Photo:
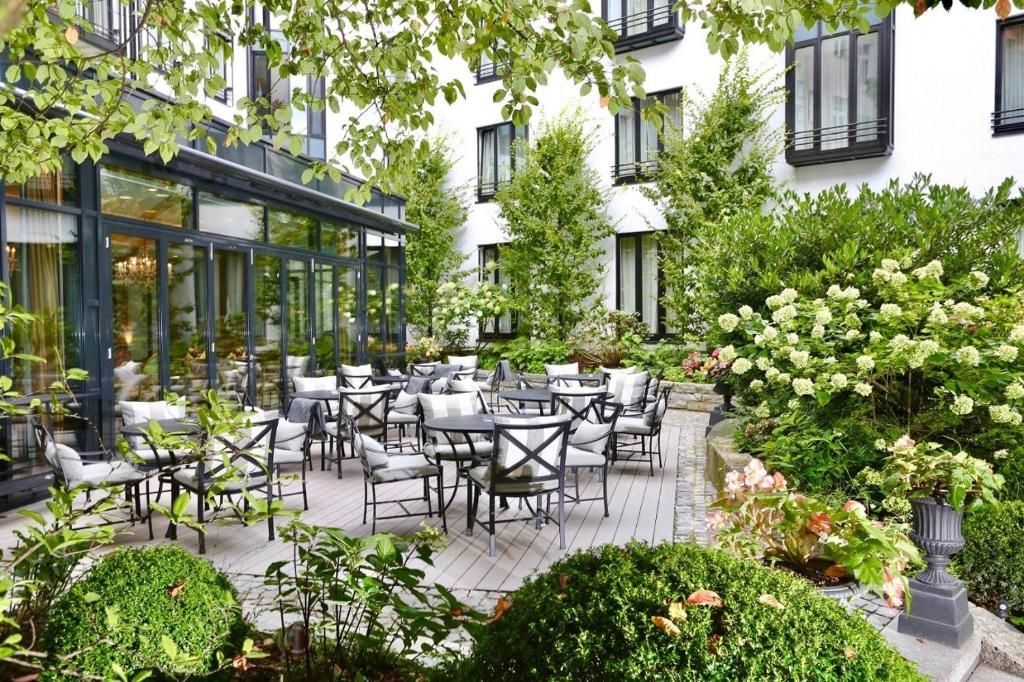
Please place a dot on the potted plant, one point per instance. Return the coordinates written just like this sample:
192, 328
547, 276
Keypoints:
938, 483
837, 547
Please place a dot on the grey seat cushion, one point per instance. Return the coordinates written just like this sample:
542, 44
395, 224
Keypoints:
633, 425
404, 467
481, 475
577, 457
107, 472
188, 478
395, 417
591, 437
288, 456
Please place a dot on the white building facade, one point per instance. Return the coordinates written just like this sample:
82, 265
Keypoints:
941, 94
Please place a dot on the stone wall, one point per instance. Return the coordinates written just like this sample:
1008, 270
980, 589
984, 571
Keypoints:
692, 397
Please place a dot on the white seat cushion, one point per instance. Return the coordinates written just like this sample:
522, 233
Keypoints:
463, 361
143, 412
289, 435
459, 451
187, 477
557, 370
481, 475
376, 455
288, 456
628, 389
404, 467
633, 425
64, 460
328, 383
395, 417
577, 457
93, 475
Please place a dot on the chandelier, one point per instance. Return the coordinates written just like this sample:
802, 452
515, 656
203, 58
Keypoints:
136, 270
12, 258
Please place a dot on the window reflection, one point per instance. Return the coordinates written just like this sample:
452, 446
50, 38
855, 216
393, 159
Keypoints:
229, 323
348, 318
136, 342
42, 256
292, 229
138, 196
186, 300
340, 240
266, 333
323, 322
60, 188
230, 218
297, 365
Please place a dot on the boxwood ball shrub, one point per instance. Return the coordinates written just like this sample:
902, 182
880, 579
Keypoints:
676, 612
121, 610
991, 564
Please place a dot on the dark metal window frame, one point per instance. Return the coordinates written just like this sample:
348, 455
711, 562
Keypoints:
883, 144
671, 30
226, 96
638, 171
486, 194
999, 127
488, 72
316, 119
482, 333
661, 330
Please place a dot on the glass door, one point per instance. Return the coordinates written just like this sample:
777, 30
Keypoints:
188, 327
231, 323
267, 333
135, 292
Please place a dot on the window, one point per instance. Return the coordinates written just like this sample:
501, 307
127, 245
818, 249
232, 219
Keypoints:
60, 188
142, 197
637, 142
496, 327
641, 23
230, 218
489, 70
638, 283
497, 156
223, 69
839, 94
316, 119
1009, 112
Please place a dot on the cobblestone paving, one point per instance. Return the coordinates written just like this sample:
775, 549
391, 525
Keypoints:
693, 490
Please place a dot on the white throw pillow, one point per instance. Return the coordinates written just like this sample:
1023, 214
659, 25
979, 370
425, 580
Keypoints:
65, 459
357, 370
328, 383
559, 370
463, 361
591, 437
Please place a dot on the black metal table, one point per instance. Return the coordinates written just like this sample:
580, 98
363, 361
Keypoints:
527, 395
390, 379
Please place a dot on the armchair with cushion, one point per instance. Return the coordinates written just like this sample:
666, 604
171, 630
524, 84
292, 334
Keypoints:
638, 436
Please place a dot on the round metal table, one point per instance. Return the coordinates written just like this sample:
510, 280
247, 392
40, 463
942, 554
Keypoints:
390, 379
527, 395
472, 423
173, 426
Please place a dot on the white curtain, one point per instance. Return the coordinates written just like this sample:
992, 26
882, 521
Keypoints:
627, 274
835, 90
1013, 74
803, 98
867, 86
649, 275
487, 179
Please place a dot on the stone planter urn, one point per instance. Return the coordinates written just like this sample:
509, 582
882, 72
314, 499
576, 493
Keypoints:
938, 609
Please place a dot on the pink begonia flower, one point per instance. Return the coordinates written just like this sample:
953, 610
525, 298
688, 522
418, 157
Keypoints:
893, 590
716, 519
854, 507
734, 481
715, 352
766, 483
779, 481
820, 524
754, 473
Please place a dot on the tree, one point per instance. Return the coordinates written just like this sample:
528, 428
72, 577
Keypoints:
432, 256
377, 56
723, 165
554, 213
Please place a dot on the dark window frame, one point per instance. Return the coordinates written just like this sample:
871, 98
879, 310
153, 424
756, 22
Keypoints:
882, 145
669, 31
661, 328
489, 72
316, 119
638, 171
226, 96
482, 261
486, 194
999, 127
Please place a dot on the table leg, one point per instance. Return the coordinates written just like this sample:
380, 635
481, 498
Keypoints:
172, 527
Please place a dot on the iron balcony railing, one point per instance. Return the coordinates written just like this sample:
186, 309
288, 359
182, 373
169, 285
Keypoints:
490, 72
486, 189
107, 18
1008, 118
646, 21
634, 169
837, 137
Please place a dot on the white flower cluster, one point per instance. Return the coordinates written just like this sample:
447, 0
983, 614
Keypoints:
785, 297
839, 381
937, 315
741, 365
727, 354
823, 316
1004, 414
889, 311
817, 332
932, 269
962, 405
803, 386
1017, 334
1007, 353
980, 279
865, 363
862, 389
838, 293
966, 312
889, 274
799, 358
968, 355
1015, 391
728, 322
746, 312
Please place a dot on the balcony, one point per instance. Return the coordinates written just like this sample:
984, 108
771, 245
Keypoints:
1008, 122
489, 71
860, 140
634, 171
655, 25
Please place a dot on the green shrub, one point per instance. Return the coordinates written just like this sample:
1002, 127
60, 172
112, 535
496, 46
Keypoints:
589, 617
991, 564
133, 598
530, 355
811, 241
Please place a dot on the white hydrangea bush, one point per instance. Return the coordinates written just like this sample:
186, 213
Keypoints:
940, 361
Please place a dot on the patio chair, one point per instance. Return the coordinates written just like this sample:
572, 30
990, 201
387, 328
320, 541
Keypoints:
491, 382
358, 376
456, 386
367, 408
405, 411
71, 472
381, 467
291, 445
464, 451
575, 401
643, 430
324, 383
147, 454
590, 445
422, 369
528, 462
235, 466
464, 361
555, 371
629, 390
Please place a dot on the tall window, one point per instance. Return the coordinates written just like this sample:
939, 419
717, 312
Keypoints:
839, 94
641, 23
223, 69
316, 119
490, 271
497, 155
489, 70
638, 280
1009, 112
637, 142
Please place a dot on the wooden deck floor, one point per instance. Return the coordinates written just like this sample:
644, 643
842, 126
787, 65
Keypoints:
640, 506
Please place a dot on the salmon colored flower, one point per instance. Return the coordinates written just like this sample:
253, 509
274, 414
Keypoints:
820, 524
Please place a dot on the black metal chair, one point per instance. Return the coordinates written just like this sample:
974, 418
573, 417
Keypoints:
638, 436
528, 462
381, 467
574, 401
368, 408
590, 447
234, 467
